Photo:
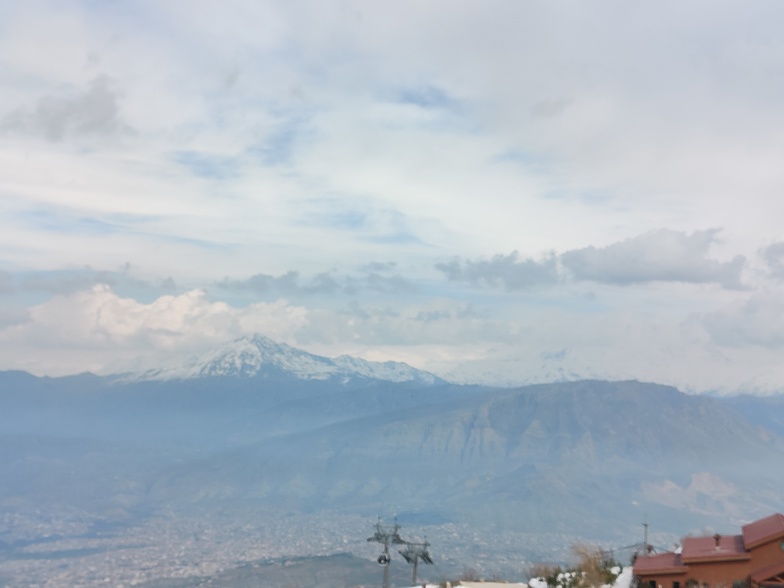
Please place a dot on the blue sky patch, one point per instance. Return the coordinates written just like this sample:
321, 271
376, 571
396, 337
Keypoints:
277, 147
207, 166
59, 221
426, 97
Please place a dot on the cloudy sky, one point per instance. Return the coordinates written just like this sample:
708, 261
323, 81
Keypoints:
494, 191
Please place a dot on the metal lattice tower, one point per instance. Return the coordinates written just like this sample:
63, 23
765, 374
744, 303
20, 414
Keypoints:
389, 535
413, 553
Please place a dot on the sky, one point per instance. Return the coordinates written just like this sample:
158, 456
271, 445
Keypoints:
499, 192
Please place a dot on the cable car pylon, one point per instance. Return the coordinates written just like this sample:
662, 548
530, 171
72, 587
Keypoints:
413, 552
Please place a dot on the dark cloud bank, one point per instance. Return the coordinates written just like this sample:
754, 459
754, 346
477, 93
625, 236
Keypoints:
657, 256
292, 284
93, 112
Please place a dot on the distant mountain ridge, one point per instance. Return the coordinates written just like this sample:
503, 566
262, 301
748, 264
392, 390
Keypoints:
249, 356
262, 426
554, 456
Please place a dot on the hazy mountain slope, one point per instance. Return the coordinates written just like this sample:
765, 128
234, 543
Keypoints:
245, 390
260, 429
766, 411
539, 456
213, 411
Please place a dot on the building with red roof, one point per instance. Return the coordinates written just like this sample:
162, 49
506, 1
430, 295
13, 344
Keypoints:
755, 558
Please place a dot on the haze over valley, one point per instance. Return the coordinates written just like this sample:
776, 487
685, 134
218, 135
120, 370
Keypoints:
257, 452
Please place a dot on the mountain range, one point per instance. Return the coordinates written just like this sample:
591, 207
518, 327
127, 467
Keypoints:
249, 356
267, 426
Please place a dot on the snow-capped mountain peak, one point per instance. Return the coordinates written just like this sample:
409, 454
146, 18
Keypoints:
247, 356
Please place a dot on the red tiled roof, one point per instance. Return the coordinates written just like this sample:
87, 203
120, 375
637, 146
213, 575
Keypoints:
771, 571
763, 530
697, 549
661, 563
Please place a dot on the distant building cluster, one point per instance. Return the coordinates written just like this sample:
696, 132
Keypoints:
753, 559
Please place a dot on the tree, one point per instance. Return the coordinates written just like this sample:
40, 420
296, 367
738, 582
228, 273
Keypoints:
593, 565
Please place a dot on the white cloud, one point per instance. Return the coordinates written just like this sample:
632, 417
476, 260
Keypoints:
93, 112
95, 328
508, 271
321, 136
657, 256
755, 321
731, 349
660, 255
774, 258
44, 43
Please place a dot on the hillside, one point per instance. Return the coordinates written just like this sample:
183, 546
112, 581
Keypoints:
151, 458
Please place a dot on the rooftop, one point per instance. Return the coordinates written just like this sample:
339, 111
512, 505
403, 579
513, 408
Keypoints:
715, 548
718, 547
769, 572
660, 563
763, 530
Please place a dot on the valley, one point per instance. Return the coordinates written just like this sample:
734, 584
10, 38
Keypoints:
267, 462
59, 553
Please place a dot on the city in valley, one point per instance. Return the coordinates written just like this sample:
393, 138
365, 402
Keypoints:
229, 480
70, 550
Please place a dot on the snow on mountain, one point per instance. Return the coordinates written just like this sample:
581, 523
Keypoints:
246, 356
391, 371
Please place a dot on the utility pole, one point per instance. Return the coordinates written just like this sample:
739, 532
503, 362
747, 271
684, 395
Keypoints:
645, 535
